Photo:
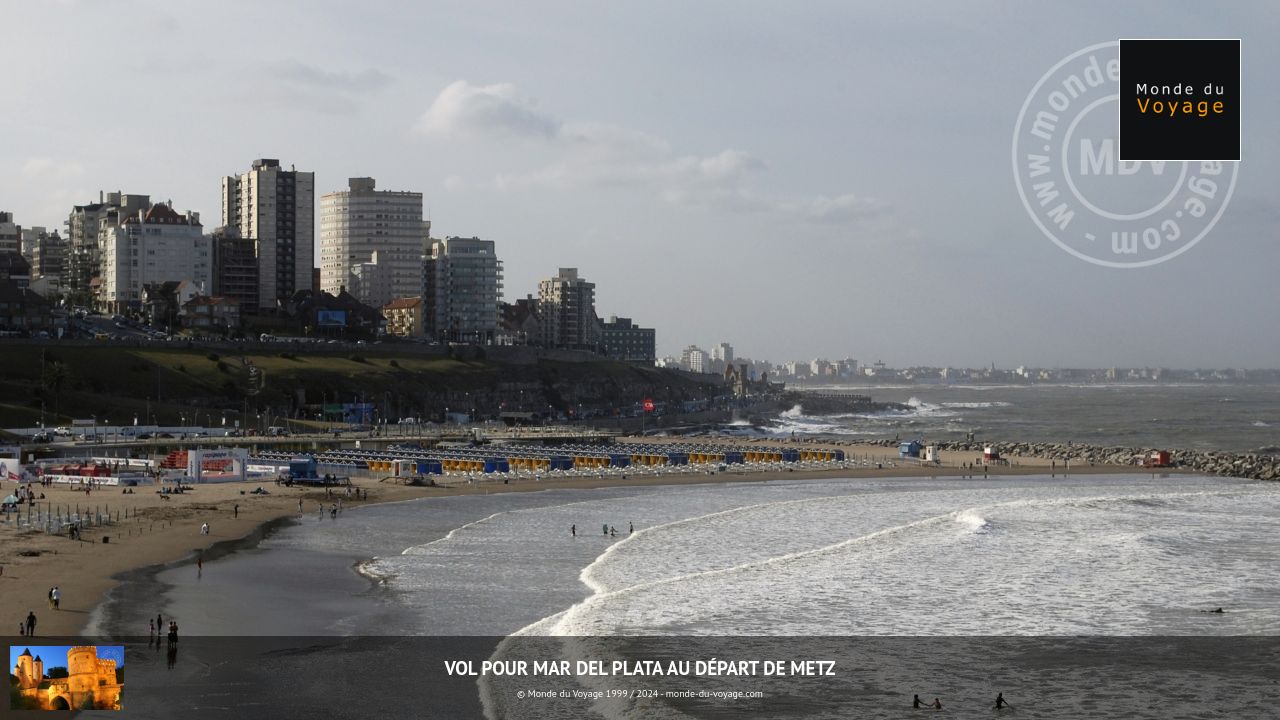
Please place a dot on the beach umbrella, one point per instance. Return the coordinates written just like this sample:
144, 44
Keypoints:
11, 500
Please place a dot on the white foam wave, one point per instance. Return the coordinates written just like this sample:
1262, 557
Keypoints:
974, 521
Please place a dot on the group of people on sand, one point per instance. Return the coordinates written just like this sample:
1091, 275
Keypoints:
919, 704
157, 627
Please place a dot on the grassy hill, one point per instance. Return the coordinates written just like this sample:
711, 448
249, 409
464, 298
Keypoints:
116, 383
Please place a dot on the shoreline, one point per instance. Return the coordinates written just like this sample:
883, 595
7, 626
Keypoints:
88, 571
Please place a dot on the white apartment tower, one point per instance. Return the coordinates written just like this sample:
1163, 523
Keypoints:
153, 246
276, 209
371, 242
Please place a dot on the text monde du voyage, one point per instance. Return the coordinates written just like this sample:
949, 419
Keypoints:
1179, 100
643, 668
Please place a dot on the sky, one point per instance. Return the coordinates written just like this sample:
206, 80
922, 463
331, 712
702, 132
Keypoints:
819, 179
56, 655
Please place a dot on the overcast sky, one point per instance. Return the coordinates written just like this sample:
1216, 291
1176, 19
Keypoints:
799, 179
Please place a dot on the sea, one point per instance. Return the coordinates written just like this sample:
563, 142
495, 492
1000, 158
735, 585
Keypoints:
1122, 558
1226, 417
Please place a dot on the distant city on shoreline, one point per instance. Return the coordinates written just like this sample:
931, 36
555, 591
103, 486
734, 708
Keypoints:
819, 371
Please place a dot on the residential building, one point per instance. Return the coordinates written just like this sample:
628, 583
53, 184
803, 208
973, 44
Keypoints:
151, 247
364, 226
694, 359
15, 269
722, 352
20, 308
519, 323
699, 361
85, 227
275, 208
45, 251
211, 314
162, 302
621, 339
405, 317
462, 289
340, 315
235, 269
567, 304
10, 233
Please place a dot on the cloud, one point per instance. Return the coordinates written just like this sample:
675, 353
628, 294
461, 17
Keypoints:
589, 155
463, 108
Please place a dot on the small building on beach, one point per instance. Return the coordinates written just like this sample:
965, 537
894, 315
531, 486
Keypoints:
910, 449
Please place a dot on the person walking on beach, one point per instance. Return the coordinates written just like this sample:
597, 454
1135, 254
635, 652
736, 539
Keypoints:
56, 594
299, 506
236, 511
50, 595
204, 529
31, 624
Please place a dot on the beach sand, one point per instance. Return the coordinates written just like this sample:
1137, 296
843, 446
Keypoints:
158, 531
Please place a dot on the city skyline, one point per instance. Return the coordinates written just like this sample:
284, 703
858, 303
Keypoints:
806, 168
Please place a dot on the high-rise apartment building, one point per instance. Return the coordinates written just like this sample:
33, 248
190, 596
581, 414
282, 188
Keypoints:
371, 242
85, 227
45, 251
152, 247
275, 208
235, 268
568, 307
722, 352
462, 290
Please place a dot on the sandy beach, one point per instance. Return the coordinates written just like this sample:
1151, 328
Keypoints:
156, 531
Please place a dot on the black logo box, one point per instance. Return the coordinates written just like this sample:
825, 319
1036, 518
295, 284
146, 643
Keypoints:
1180, 64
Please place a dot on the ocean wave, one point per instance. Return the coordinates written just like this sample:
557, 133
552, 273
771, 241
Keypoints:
974, 521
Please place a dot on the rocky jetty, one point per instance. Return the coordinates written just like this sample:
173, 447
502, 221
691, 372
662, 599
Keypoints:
835, 403
1257, 466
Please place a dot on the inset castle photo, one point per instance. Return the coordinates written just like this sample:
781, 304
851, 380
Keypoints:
66, 677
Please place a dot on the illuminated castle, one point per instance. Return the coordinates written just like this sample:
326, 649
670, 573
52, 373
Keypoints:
90, 682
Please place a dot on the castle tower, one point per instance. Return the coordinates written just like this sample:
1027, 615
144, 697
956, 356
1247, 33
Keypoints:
24, 669
37, 670
82, 668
